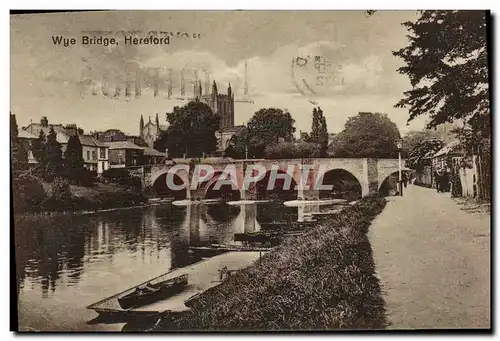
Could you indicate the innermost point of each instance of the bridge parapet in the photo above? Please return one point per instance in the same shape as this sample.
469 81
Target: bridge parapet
369 172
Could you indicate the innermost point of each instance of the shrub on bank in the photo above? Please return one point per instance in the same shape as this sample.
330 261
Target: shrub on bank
27 192
321 280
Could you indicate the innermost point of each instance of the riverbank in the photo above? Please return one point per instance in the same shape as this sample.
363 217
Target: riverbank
87 200
321 280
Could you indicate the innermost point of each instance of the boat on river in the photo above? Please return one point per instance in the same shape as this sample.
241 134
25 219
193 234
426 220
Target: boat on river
300 203
228 248
124 304
264 236
203 275
152 292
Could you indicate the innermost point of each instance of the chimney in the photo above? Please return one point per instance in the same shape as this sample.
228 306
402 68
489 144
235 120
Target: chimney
44 122
71 129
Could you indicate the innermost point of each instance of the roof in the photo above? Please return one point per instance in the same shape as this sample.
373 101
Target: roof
87 140
23 134
450 147
61 136
122 145
148 151
233 129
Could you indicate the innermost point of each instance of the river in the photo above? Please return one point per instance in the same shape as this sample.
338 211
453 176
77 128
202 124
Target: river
66 263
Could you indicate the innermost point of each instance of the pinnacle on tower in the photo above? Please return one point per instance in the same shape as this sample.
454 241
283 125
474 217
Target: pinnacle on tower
200 89
229 90
141 126
214 88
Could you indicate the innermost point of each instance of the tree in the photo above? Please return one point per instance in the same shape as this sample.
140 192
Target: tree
323 137
38 147
367 135
447 63
271 124
238 145
73 157
191 131
139 141
293 150
264 130
413 138
19 157
419 153
319 131
54 165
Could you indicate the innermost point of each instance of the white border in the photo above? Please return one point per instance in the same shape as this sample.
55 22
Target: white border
185 4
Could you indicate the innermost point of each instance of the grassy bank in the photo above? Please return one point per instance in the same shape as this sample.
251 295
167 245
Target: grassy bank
321 280
84 199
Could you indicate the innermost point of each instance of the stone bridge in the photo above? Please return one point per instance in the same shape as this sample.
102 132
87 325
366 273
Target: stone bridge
370 173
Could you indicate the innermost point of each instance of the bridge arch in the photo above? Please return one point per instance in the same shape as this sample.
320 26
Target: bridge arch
385 176
389 184
162 189
345 184
227 192
284 187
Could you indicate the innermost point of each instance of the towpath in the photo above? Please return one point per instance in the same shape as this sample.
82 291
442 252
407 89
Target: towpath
433 261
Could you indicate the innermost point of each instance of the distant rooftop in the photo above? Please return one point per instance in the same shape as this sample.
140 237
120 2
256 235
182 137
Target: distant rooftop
122 145
148 151
26 135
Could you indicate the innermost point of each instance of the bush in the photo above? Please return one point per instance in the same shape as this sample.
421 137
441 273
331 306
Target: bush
28 193
60 198
115 174
293 150
87 177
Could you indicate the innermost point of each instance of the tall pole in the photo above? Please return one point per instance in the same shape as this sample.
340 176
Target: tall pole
400 177
245 90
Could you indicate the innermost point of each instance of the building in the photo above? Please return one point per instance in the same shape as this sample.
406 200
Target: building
150 132
95 154
124 154
62 132
110 135
222 104
26 140
152 156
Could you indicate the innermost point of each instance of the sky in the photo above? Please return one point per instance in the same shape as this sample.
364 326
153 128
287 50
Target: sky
280 49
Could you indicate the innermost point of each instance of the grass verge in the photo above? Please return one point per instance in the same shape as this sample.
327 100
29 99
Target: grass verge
322 280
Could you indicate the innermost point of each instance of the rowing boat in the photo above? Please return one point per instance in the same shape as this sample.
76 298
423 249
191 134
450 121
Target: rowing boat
152 292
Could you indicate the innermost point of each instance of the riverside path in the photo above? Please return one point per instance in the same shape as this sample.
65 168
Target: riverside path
433 261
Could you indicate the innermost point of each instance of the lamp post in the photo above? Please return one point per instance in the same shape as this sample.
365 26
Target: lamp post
399 143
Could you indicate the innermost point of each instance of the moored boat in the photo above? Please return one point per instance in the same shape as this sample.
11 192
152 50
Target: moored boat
152 292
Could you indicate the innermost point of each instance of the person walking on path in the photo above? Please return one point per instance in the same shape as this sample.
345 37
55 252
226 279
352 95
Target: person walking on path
437 180
405 179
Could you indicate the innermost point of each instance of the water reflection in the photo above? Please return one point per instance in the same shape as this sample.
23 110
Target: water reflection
66 263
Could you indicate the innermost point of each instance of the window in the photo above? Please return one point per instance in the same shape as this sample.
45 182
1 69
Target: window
94 155
88 154
102 153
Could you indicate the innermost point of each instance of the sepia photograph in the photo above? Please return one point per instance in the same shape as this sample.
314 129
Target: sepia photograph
250 170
